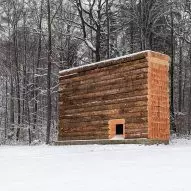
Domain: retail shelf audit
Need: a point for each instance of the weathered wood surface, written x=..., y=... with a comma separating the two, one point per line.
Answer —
x=90, y=96
x=158, y=104
x=111, y=62
x=89, y=77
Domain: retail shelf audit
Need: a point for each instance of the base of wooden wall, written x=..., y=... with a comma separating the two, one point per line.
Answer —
x=142, y=141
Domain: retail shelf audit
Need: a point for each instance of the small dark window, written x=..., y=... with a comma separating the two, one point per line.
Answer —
x=119, y=129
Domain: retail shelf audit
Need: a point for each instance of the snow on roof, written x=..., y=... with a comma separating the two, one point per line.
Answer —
x=129, y=57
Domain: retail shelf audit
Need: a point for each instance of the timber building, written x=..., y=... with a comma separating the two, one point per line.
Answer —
x=122, y=98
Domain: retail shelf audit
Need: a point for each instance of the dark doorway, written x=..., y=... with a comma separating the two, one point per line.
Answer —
x=119, y=129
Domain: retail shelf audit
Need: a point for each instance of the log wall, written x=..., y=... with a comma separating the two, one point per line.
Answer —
x=118, y=89
x=158, y=102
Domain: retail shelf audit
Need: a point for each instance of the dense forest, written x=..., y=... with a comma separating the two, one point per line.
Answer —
x=38, y=38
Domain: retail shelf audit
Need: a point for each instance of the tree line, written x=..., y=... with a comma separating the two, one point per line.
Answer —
x=38, y=38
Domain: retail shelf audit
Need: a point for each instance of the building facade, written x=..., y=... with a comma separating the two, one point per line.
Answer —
x=121, y=98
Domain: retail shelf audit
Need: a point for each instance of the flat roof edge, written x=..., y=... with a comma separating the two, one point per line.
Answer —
x=117, y=60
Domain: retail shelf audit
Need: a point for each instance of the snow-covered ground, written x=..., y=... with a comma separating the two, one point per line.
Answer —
x=96, y=167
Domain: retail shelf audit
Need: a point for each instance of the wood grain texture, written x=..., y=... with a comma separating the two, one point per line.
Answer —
x=123, y=89
x=158, y=102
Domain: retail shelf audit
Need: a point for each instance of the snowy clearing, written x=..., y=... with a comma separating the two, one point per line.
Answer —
x=96, y=167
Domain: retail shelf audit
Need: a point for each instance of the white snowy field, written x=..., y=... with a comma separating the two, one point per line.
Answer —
x=96, y=167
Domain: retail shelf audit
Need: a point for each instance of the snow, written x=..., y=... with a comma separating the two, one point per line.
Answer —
x=96, y=167
x=118, y=137
x=90, y=45
x=101, y=62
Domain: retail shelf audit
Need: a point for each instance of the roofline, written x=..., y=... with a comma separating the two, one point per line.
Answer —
x=114, y=61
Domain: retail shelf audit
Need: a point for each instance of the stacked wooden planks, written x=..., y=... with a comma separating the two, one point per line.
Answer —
x=158, y=105
x=92, y=95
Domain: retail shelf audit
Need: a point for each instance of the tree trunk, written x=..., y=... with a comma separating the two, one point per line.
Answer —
x=98, y=33
x=180, y=79
x=172, y=73
x=108, y=29
x=6, y=110
x=36, y=81
x=17, y=81
x=49, y=107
